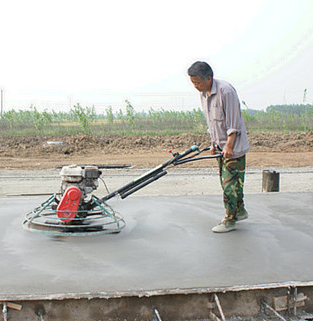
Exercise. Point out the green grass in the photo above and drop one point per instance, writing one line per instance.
(84, 120)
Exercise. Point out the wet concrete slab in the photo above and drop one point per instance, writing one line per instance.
(166, 247)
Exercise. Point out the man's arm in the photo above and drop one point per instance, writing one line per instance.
(228, 148)
(231, 107)
(233, 120)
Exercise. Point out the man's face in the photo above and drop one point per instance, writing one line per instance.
(200, 84)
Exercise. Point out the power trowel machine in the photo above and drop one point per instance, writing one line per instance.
(75, 211)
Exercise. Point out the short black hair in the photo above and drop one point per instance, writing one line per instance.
(201, 69)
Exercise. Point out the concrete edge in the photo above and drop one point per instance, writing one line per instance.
(151, 293)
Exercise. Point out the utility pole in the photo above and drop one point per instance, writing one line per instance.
(304, 95)
(69, 102)
(245, 104)
(1, 103)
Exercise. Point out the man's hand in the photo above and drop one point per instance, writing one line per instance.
(212, 150)
(228, 151)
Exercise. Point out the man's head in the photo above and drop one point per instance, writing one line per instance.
(201, 75)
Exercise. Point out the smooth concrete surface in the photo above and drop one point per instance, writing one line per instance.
(166, 247)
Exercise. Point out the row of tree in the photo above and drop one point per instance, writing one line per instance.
(274, 117)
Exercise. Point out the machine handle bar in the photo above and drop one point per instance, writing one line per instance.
(192, 159)
(157, 172)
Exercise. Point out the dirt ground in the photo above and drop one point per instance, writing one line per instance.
(267, 150)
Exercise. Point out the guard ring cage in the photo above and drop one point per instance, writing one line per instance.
(100, 218)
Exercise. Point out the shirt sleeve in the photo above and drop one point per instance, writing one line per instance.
(232, 112)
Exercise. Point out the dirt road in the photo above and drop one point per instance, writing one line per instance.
(267, 150)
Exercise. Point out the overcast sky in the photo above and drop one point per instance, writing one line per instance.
(56, 53)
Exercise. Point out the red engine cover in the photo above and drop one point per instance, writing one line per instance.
(67, 208)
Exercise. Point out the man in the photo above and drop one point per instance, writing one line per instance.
(221, 108)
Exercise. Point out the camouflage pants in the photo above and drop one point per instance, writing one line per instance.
(232, 175)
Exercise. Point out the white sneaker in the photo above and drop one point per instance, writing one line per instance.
(224, 227)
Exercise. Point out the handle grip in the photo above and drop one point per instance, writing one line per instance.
(188, 151)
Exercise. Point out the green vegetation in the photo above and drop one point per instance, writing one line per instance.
(280, 118)
(84, 116)
(128, 121)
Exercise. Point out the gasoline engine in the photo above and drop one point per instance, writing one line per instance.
(84, 178)
(77, 182)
